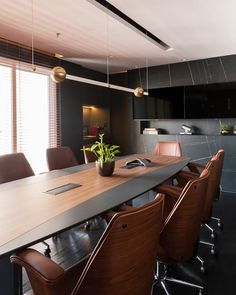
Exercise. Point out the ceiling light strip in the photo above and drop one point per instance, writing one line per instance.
(123, 18)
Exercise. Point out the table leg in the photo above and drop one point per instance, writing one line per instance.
(10, 277)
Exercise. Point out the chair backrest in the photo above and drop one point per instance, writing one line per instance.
(220, 157)
(212, 188)
(14, 166)
(168, 148)
(124, 259)
(88, 156)
(181, 228)
(60, 157)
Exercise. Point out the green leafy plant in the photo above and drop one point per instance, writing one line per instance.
(105, 152)
(225, 127)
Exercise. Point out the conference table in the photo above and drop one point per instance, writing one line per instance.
(38, 207)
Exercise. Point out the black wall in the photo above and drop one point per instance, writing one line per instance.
(199, 147)
(72, 96)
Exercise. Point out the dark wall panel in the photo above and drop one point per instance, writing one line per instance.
(199, 147)
(73, 95)
(205, 71)
(180, 74)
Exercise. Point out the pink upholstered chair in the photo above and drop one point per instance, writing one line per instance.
(169, 148)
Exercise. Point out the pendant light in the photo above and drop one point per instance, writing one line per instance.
(59, 74)
(139, 91)
(32, 36)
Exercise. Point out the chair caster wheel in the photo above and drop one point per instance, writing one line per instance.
(202, 271)
(219, 224)
(213, 236)
(47, 253)
(213, 252)
(200, 292)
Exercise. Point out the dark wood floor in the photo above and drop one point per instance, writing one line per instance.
(219, 279)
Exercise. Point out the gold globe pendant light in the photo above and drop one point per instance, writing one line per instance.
(58, 74)
(139, 91)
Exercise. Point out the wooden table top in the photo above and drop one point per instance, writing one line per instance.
(28, 214)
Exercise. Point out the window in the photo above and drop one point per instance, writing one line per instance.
(5, 110)
(28, 117)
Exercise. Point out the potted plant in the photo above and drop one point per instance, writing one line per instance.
(234, 129)
(105, 154)
(224, 129)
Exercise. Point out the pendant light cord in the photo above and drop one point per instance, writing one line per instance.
(108, 48)
(32, 35)
(108, 73)
(147, 78)
(140, 80)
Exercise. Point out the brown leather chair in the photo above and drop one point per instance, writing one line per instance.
(14, 166)
(169, 148)
(196, 169)
(212, 187)
(180, 232)
(122, 262)
(213, 167)
(60, 157)
(88, 156)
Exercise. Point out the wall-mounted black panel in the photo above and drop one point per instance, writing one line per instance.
(164, 103)
(156, 78)
(216, 100)
(180, 74)
(214, 69)
(229, 64)
(159, 79)
(198, 72)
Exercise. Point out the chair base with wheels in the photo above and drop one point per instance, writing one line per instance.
(162, 279)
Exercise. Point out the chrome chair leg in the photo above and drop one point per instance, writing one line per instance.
(201, 262)
(200, 288)
(212, 246)
(162, 280)
(165, 287)
(210, 229)
(219, 223)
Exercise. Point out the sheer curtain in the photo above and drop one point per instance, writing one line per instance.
(28, 113)
(5, 110)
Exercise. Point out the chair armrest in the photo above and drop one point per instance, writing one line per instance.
(184, 176)
(172, 194)
(170, 190)
(40, 265)
(125, 207)
(46, 277)
(194, 167)
(108, 215)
